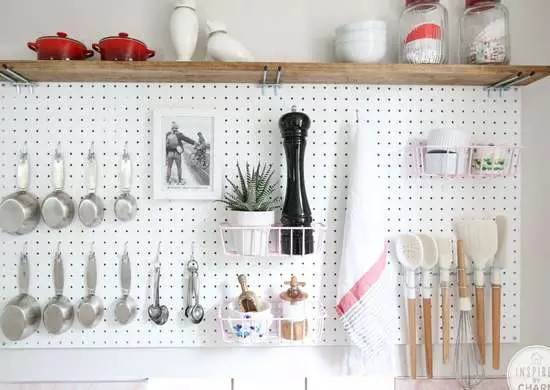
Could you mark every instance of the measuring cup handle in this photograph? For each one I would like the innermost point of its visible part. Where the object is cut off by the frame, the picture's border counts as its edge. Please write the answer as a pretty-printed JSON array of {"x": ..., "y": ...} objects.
[
  {"x": 58, "y": 274},
  {"x": 23, "y": 172},
  {"x": 91, "y": 274},
  {"x": 24, "y": 274},
  {"x": 157, "y": 286},
  {"x": 125, "y": 274},
  {"x": 125, "y": 173},
  {"x": 58, "y": 171},
  {"x": 91, "y": 173}
]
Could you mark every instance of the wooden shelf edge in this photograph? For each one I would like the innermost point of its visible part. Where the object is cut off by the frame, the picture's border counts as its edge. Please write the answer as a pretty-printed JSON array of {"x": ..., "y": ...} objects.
[{"x": 252, "y": 72}]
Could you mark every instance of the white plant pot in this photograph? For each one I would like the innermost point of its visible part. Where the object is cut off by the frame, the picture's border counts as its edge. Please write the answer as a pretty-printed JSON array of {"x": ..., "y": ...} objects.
[{"x": 253, "y": 239}]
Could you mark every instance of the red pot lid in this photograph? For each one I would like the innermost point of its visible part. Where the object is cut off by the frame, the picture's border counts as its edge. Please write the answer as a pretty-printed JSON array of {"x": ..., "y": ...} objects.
[
  {"x": 123, "y": 36},
  {"x": 424, "y": 31},
  {"x": 471, "y": 3},
  {"x": 62, "y": 36},
  {"x": 411, "y": 2}
]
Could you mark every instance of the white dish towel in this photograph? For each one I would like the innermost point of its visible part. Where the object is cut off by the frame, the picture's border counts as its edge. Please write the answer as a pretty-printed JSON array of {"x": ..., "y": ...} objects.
[{"x": 366, "y": 295}]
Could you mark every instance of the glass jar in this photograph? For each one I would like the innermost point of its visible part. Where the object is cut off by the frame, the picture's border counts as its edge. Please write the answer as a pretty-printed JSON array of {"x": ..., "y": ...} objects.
[
  {"x": 485, "y": 33},
  {"x": 423, "y": 33}
]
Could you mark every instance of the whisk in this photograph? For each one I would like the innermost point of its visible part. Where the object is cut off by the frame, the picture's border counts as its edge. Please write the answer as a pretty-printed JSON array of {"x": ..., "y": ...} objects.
[{"x": 468, "y": 368}]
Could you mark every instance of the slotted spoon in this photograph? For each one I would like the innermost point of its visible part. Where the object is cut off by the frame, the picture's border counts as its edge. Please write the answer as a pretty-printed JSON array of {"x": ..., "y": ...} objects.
[{"x": 409, "y": 253}]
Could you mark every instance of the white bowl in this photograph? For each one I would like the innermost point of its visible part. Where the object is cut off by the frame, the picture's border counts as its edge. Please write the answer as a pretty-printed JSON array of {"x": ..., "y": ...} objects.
[
  {"x": 361, "y": 26},
  {"x": 361, "y": 35},
  {"x": 447, "y": 139},
  {"x": 250, "y": 325},
  {"x": 361, "y": 51}
]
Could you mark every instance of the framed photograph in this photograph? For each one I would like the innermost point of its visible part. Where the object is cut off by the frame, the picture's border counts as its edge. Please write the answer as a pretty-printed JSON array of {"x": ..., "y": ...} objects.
[{"x": 187, "y": 156}]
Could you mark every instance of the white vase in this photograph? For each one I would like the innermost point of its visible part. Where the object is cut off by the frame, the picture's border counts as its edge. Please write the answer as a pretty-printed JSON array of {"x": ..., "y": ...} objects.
[
  {"x": 184, "y": 27},
  {"x": 222, "y": 46},
  {"x": 253, "y": 241}
]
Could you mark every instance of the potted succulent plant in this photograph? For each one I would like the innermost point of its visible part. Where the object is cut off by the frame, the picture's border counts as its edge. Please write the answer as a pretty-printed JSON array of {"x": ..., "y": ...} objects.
[{"x": 252, "y": 203}]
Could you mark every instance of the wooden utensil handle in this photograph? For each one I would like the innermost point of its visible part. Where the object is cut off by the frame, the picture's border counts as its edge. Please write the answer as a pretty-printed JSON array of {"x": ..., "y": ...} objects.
[
  {"x": 495, "y": 301},
  {"x": 462, "y": 282},
  {"x": 411, "y": 308},
  {"x": 446, "y": 314},
  {"x": 427, "y": 308},
  {"x": 242, "y": 282},
  {"x": 480, "y": 317}
]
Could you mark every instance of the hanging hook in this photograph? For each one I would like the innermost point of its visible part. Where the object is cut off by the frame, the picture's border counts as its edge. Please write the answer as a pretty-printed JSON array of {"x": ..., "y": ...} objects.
[
  {"x": 58, "y": 247},
  {"x": 92, "y": 247},
  {"x": 126, "y": 248},
  {"x": 24, "y": 251}
]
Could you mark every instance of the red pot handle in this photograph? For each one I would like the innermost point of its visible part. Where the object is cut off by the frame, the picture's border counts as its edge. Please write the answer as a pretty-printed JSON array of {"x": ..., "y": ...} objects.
[
  {"x": 33, "y": 46},
  {"x": 88, "y": 53},
  {"x": 150, "y": 53},
  {"x": 96, "y": 47}
]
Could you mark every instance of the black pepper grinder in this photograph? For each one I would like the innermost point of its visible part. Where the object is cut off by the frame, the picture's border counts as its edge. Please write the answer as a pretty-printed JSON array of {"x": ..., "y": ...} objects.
[{"x": 296, "y": 212}]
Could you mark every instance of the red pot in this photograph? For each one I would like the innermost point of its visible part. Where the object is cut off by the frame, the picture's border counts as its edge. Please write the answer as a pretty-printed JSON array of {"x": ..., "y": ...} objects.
[
  {"x": 122, "y": 48},
  {"x": 59, "y": 47}
]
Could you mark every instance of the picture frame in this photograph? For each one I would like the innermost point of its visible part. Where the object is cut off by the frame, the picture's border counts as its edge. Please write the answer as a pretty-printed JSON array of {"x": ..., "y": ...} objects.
[{"x": 187, "y": 155}]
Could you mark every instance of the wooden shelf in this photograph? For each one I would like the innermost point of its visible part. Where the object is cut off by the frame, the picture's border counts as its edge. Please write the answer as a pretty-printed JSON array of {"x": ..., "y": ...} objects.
[{"x": 252, "y": 72}]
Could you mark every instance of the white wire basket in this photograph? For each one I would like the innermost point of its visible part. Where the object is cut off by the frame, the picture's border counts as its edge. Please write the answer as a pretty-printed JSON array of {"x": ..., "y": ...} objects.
[
  {"x": 273, "y": 329},
  {"x": 470, "y": 161},
  {"x": 272, "y": 241}
]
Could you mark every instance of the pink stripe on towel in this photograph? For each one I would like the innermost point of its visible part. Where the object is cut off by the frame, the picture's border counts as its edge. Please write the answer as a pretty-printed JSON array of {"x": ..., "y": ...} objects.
[{"x": 363, "y": 285}]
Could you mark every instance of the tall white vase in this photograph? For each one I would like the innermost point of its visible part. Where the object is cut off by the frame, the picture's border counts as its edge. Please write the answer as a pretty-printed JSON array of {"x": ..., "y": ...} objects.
[
  {"x": 184, "y": 27},
  {"x": 222, "y": 46}
]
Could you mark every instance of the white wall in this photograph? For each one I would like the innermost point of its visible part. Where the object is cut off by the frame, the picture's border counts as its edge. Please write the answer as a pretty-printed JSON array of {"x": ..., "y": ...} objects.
[{"x": 291, "y": 30}]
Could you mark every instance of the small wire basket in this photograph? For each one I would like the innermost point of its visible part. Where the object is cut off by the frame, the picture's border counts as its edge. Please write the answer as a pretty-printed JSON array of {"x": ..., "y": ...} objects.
[
  {"x": 272, "y": 240},
  {"x": 471, "y": 161},
  {"x": 272, "y": 328}
]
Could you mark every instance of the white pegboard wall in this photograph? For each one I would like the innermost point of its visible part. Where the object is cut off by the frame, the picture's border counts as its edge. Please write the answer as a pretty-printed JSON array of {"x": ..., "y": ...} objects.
[{"x": 111, "y": 114}]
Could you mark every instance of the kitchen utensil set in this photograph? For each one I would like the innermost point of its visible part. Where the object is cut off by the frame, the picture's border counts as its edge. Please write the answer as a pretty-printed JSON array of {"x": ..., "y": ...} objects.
[
  {"x": 482, "y": 241},
  {"x": 20, "y": 212}
]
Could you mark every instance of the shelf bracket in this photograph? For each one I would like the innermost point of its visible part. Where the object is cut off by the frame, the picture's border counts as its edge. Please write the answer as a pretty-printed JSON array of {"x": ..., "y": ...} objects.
[
  {"x": 508, "y": 82},
  {"x": 16, "y": 79},
  {"x": 275, "y": 85}
]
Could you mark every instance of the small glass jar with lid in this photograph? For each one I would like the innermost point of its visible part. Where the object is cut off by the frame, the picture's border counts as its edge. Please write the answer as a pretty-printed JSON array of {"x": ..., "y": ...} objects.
[
  {"x": 423, "y": 33},
  {"x": 485, "y": 33}
]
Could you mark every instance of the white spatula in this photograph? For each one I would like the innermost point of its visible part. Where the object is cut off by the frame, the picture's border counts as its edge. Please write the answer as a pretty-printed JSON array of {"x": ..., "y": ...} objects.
[
  {"x": 410, "y": 253},
  {"x": 480, "y": 244},
  {"x": 429, "y": 261},
  {"x": 445, "y": 246},
  {"x": 501, "y": 262}
]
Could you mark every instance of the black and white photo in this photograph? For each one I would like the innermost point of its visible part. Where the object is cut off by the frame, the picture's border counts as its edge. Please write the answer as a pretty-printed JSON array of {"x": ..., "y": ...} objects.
[{"x": 186, "y": 164}]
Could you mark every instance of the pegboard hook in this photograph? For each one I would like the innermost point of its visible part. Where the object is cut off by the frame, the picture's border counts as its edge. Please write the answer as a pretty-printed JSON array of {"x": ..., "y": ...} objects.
[
  {"x": 92, "y": 247},
  {"x": 126, "y": 248},
  {"x": 157, "y": 261},
  {"x": 58, "y": 247},
  {"x": 24, "y": 251},
  {"x": 58, "y": 150}
]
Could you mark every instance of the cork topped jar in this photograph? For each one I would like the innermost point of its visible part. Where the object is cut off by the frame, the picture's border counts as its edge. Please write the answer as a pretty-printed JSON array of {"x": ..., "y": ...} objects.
[{"x": 294, "y": 323}]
